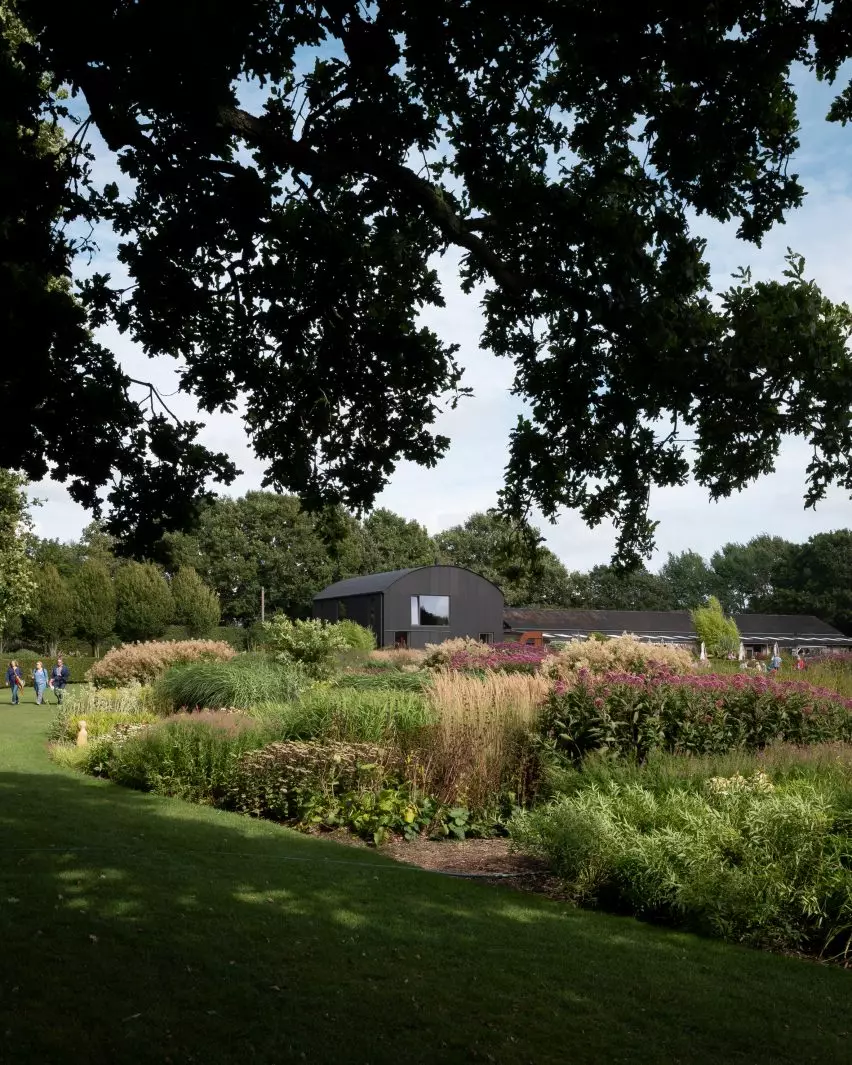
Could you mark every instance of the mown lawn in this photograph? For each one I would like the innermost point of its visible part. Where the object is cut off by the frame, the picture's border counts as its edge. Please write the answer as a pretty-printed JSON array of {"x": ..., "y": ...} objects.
[{"x": 138, "y": 929}]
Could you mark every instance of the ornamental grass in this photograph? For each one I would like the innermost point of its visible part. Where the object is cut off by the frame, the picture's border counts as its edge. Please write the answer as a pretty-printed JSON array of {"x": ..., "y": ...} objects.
[
  {"x": 480, "y": 750},
  {"x": 145, "y": 662}
]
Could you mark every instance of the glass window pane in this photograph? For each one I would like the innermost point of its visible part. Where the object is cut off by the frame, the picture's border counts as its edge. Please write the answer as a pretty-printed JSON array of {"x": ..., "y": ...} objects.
[
  {"x": 434, "y": 610},
  {"x": 415, "y": 610}
]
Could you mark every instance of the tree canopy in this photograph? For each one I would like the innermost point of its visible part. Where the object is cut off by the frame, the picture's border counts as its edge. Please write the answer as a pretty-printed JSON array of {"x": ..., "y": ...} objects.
[{"x": 290, "y": 173}]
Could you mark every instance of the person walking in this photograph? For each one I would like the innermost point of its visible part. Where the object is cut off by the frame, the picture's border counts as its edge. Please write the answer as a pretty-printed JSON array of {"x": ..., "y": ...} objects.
[
  {"x": 15, "y": 681},
  {"x": 58, "y": 679},
  {"x": 775, "y": 663},
  {"x": 40, "y": 679}
]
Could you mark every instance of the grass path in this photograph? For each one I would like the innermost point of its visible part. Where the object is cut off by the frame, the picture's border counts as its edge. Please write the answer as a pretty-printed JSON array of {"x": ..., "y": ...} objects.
[{"x": 138, "y": 929}]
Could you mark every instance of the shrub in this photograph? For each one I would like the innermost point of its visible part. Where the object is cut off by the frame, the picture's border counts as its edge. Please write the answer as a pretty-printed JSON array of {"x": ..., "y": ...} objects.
[
  {"x": 312, "y": 643},
  {"x": 357, "y": 637},
  {"x": 187, "y": 759},
  {"x": 144, "y": 662},
  {"x": 743, "y": 858},
  {"x": 719, "y": 634},
  {"x": 632, "y": 715},
  {"x": 624, "y": 654},
  {"x": 241, "y": 682},
  {"x": 354, "y": 786}
]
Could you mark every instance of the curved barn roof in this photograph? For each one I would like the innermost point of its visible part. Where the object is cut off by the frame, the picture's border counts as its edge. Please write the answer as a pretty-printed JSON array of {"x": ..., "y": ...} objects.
[
  {"x": 380, "y": 582},
  {"x": 369, "y": 583}
]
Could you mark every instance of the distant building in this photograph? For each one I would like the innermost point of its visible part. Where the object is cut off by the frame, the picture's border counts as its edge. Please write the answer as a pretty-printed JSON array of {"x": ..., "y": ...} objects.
[
  {"x": 413, "y": 607},
  {"x": 759, "y": 632}
]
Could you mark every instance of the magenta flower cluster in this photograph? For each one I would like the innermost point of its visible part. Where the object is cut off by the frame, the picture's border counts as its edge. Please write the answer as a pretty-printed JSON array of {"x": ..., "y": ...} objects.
[
  {"x": 702, "y": 713},
  {"x": 502, "y": 657}
]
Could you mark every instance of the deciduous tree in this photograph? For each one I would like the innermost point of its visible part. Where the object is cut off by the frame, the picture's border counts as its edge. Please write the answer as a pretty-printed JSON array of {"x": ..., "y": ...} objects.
[
  {"x": 144, "y": 605},
  {"x": 17, "y": 580},
  {"x": 526, "y": 572},
  {"x": 196, "y": 605},
  {"x": 691, "y": 581},
  {"x": 393, "y": 542},
  {"x": 95, "y": 603},
  {"x": 292, "y": 172},
  {"x": 51, "y": 616}
]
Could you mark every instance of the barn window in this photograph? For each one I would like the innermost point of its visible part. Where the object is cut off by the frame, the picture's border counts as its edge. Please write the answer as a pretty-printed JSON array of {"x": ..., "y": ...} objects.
[
  {"x": 341, "y": 609},
  {"x": 430, "y": 610}
]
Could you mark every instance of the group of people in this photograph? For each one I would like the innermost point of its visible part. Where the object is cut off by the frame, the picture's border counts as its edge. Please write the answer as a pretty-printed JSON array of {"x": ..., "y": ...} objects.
[
  {"x": 773, "y": 665},
  {"x": 56, "y": 679}
]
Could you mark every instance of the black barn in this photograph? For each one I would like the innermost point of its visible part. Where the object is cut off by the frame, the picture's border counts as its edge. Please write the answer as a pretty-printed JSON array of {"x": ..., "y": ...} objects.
[{"x": 413, "y": 607}]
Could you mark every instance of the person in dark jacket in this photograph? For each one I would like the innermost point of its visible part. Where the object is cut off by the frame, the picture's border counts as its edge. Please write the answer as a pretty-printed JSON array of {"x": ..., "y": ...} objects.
[
  {"x": 13, "y": 676},
  {"x": 58, "y": 679}
]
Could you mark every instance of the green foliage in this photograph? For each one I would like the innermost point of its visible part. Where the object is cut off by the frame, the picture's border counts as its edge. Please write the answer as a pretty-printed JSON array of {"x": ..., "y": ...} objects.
[
  {"x": 509, "y": 556},
  {"x": 17, "y": 581},
  {"x": 391, "y": 542},
  {"x": 384, "y": 679},
  {"x": 719, "y": 633},
  {"x": 818, "y": 580},
  {"x": 312, "y": 643},
  {"x": 94, "y": 597},
  {"x": 144, "y": 605},
  {"x": 606, "y": 588},
  {"x": 368, "y": 716},
  {"x": 690, "y": 580},
  {"x": 357, "y": 637},
  {"x": 196, "y": 605},
  {"x": 266, "y": 540},
  {"x": 742, "y": 858},
  {"x": 241, "y": 682},
  {"x": 544, "y": 133},
  {"x": 52, "y": 612},
  {"x": 186, "y": 759},
  {"x": 633, "y": 716}
]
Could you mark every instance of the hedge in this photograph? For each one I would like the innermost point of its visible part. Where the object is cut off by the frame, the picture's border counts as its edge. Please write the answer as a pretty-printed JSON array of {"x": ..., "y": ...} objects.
[{"x": 78, "y": 666}]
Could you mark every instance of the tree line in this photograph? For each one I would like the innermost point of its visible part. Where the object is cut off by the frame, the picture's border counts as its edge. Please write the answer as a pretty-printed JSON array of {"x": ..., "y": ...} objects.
[{"x": 265, "y": 540}]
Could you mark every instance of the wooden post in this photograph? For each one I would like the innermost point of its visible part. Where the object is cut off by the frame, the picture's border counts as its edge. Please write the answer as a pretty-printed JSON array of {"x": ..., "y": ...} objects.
[{"x": 263, "y": 604}]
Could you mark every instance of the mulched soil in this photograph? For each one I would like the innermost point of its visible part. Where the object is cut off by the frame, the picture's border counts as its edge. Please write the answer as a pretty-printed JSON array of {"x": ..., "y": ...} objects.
[
  {"x": 469, "y": 858},
  {"x": 477, "y": 858}
]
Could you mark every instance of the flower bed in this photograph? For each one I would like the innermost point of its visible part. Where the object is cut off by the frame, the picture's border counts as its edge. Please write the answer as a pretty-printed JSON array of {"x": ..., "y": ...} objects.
[
  {"x": 500, "y": 657},
  {"x": 634, "y": 714}
]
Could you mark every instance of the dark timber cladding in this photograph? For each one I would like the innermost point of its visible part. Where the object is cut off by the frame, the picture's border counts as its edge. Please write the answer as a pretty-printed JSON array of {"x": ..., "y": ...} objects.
[{"x": 413, "y": 607}]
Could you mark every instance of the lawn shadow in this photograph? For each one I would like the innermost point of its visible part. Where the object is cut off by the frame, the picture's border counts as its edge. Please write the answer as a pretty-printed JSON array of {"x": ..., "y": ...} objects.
[{"x": 142, "y": 929}]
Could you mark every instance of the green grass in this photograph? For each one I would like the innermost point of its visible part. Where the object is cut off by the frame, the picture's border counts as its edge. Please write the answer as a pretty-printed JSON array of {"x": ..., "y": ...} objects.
[
  {"x": 240, "y": 682},
  {"x": 136, "y": 928}
]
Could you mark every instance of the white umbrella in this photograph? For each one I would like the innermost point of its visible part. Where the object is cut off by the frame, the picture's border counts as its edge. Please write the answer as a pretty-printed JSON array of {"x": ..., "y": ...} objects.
[
  {"x": 775, "y": 651},
  {"x": 741, "y": 655},
  {"x": 703, "y": 656}
]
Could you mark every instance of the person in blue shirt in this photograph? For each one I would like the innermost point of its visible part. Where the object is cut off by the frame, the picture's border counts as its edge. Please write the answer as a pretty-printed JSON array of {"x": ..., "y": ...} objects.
[
  {"x": 40, "y": 679},
  {"x": 58, "y": 679},
  {"x": 13, "y": 676},
  {"x": 775, "y": 663}
]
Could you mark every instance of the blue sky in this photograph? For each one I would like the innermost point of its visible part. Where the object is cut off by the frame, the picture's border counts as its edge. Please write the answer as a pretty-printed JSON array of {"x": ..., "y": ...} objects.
[{"x": 469, "y": 477}]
